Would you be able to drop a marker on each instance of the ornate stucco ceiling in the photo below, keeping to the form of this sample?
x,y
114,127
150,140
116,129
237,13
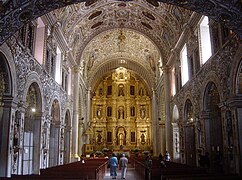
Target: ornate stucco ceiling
x,y
120,47
123,44
83,21
152,26
139,33
13,13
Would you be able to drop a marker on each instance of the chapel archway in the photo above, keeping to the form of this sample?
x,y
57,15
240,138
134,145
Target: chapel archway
x,y
54,134
239,79
5,116
213,126
189,130
32,130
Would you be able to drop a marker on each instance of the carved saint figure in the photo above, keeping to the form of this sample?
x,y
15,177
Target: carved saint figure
x,y
142,138
142,112
121,112
99,112
121,90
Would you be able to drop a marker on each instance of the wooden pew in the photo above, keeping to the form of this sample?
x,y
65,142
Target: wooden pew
x,y
92,169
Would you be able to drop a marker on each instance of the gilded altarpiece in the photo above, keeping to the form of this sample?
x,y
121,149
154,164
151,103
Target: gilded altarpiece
x,y
121,113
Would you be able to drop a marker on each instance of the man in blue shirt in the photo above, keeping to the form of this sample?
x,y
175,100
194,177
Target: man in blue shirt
x,y
113,162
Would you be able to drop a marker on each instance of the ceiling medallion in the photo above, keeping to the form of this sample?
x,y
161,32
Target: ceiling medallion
x,y
96,25
153,2
122,5
147,25
121,37
183,2
225,17
148,15
90,2
24,16
92,16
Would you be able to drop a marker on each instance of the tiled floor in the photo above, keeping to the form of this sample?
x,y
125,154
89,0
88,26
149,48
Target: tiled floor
x,y
131,175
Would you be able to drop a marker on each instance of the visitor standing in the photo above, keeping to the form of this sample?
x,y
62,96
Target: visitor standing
x,y
123,164
167,156
148,167
113,162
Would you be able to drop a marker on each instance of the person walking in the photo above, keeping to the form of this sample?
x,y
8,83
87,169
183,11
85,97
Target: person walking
x,y
113,162
123,164
167,156
148,167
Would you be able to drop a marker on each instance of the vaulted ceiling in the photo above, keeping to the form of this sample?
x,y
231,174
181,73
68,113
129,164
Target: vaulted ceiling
x,y
14,13
105,34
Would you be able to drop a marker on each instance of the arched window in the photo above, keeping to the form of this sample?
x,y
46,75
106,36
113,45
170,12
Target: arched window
x,y
204,40
184,65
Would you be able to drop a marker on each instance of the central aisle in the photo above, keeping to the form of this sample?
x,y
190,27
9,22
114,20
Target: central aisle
x,y
131,175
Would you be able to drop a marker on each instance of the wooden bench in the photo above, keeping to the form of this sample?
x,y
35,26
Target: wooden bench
x,y
92,169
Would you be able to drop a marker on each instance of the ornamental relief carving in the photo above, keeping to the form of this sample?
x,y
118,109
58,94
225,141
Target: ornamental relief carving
x,y
26,65
13,16
221,62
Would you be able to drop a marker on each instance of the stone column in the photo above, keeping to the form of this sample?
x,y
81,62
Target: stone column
x,y
6,128
154,123
75,121
167,88
88,113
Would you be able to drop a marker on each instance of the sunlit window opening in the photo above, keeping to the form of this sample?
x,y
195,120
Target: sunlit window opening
x,y
184,65
160,67
39,43
173,82
204,40
58,66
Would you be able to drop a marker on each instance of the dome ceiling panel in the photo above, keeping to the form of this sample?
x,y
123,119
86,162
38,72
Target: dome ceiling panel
x,y
107,14
14,14
120,43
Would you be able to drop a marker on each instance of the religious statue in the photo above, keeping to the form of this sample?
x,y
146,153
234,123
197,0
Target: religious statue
x,y
99,138
99,112
142,112
132,111
121,112
142,139
121,90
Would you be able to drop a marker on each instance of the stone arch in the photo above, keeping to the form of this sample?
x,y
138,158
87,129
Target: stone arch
x,y
236,70
189,130
7,93
213,125
6,57
33,79
54,134
32,129
238,79
211,77
5,76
